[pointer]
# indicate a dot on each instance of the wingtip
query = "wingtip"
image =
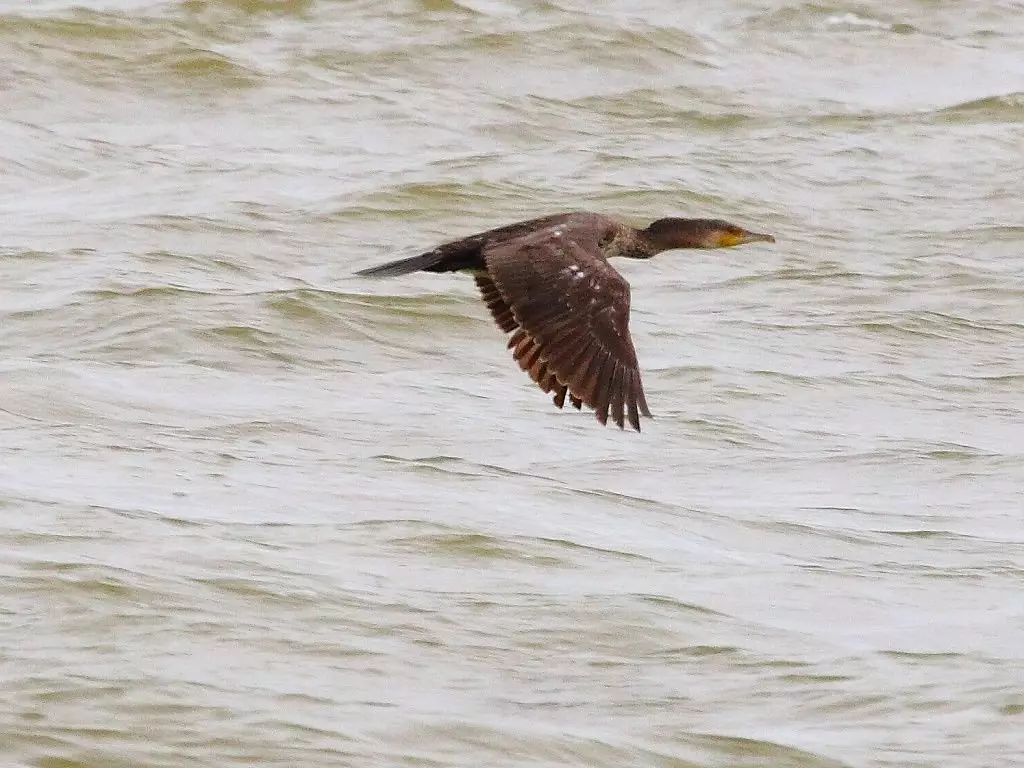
(382, 271)
(637, 425)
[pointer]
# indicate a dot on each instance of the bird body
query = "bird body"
(548, 283)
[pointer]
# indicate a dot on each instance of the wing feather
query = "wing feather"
(568, 312)
(618, 395)
(559, 399)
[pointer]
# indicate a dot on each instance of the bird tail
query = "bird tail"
(404, 266)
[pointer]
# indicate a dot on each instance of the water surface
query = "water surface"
(256, 510)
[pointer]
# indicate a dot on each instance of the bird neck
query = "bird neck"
(632, 243)
(670, 234)
(659, 240)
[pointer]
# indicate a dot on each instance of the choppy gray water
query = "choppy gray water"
(254, 510)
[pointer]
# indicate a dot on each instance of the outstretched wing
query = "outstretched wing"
(568, 312)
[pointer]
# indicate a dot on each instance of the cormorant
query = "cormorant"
(548, 282)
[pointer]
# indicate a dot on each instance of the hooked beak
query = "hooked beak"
(756, 237)
(731, 239)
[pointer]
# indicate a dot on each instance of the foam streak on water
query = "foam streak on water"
(256, 510)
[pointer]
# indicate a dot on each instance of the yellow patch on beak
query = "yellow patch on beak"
(729, 239)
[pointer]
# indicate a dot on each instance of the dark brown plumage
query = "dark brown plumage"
(548, 283)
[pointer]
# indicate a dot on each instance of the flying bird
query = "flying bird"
(548, 283)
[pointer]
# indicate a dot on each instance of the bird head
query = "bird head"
(667, 234)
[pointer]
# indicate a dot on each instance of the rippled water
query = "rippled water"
(258, 511)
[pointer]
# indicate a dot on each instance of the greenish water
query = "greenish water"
(255, 510)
